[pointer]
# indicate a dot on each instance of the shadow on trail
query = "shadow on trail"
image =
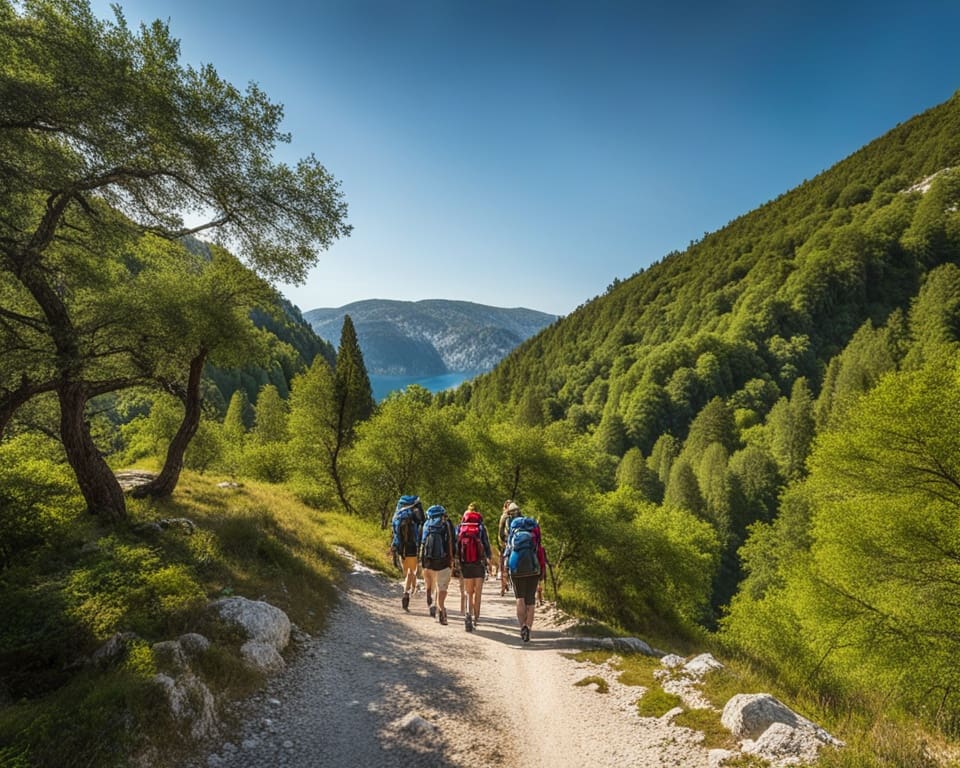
(371, 677)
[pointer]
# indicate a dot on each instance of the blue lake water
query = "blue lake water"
(384, 385)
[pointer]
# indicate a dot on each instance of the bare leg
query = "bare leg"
(477, 597)
(429, 581)
(529, 612)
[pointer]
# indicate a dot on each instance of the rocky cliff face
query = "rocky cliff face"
(431, 337)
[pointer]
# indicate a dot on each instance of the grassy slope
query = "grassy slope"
(87, 583)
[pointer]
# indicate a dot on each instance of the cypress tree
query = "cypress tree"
(352, 390)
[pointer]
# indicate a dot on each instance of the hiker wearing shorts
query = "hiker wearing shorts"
(436, 555)
(473, 553)
(527, 564)
(407, 520)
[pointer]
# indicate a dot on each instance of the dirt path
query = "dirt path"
(382, 687)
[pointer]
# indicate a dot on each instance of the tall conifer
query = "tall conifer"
(352, 388)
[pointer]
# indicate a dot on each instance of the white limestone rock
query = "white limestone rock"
(259, 620)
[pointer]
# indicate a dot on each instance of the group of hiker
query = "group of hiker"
(429, 540)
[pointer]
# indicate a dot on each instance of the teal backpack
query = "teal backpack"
(523, 545)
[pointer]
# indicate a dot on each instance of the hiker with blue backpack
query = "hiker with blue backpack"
(407, 523)
(436, 555)
(473, 553)
(527, 565)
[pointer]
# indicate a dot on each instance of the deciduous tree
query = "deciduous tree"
(95, 115)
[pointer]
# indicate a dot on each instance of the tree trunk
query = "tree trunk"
(97, 482)
(340, 441)
(338, 481)
(166, 482)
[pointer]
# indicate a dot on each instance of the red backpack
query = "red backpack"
(469, 541)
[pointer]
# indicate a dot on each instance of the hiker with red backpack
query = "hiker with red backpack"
(437, 543)
(473, 553)
(527, 565)
(407, 521)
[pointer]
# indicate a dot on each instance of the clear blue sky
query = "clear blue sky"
(527, 153)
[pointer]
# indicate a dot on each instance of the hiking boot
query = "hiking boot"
(525, 633)
(433, 611)
(468, 623)
(405, 601)
(443, 616)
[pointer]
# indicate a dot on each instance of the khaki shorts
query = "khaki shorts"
(410, 564)
(443, 578)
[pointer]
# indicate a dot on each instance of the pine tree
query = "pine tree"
(791, 427)
(352, 390)
(682, 491)
(633, 472)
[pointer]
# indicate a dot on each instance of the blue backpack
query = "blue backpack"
(523, 545)
(436, 536)
(406, 526)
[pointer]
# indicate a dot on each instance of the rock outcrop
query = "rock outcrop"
(764, 726)
(771, 730)
(266, 627)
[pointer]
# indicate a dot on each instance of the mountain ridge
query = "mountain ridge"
(431, 336)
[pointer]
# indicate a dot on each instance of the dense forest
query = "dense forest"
(791, 380)
(751, 443)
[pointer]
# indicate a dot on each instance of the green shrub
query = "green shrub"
(266, 461)
(38, 497)
(602, 685)
(126, 585)
(656, 702)
(94, 720)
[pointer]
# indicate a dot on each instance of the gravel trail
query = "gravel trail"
(382, 687)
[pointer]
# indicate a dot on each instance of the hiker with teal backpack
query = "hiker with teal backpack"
(527, 565)
(407, 522)
(473, 553)
(436, 555)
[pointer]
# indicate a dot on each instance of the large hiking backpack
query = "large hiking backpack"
(406, 525)
(436, 537)
(523, 545)
(470, 539)
(414, 504)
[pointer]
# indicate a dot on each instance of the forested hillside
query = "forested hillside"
(746, 311)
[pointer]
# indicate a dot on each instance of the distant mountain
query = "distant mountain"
(430, 337)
